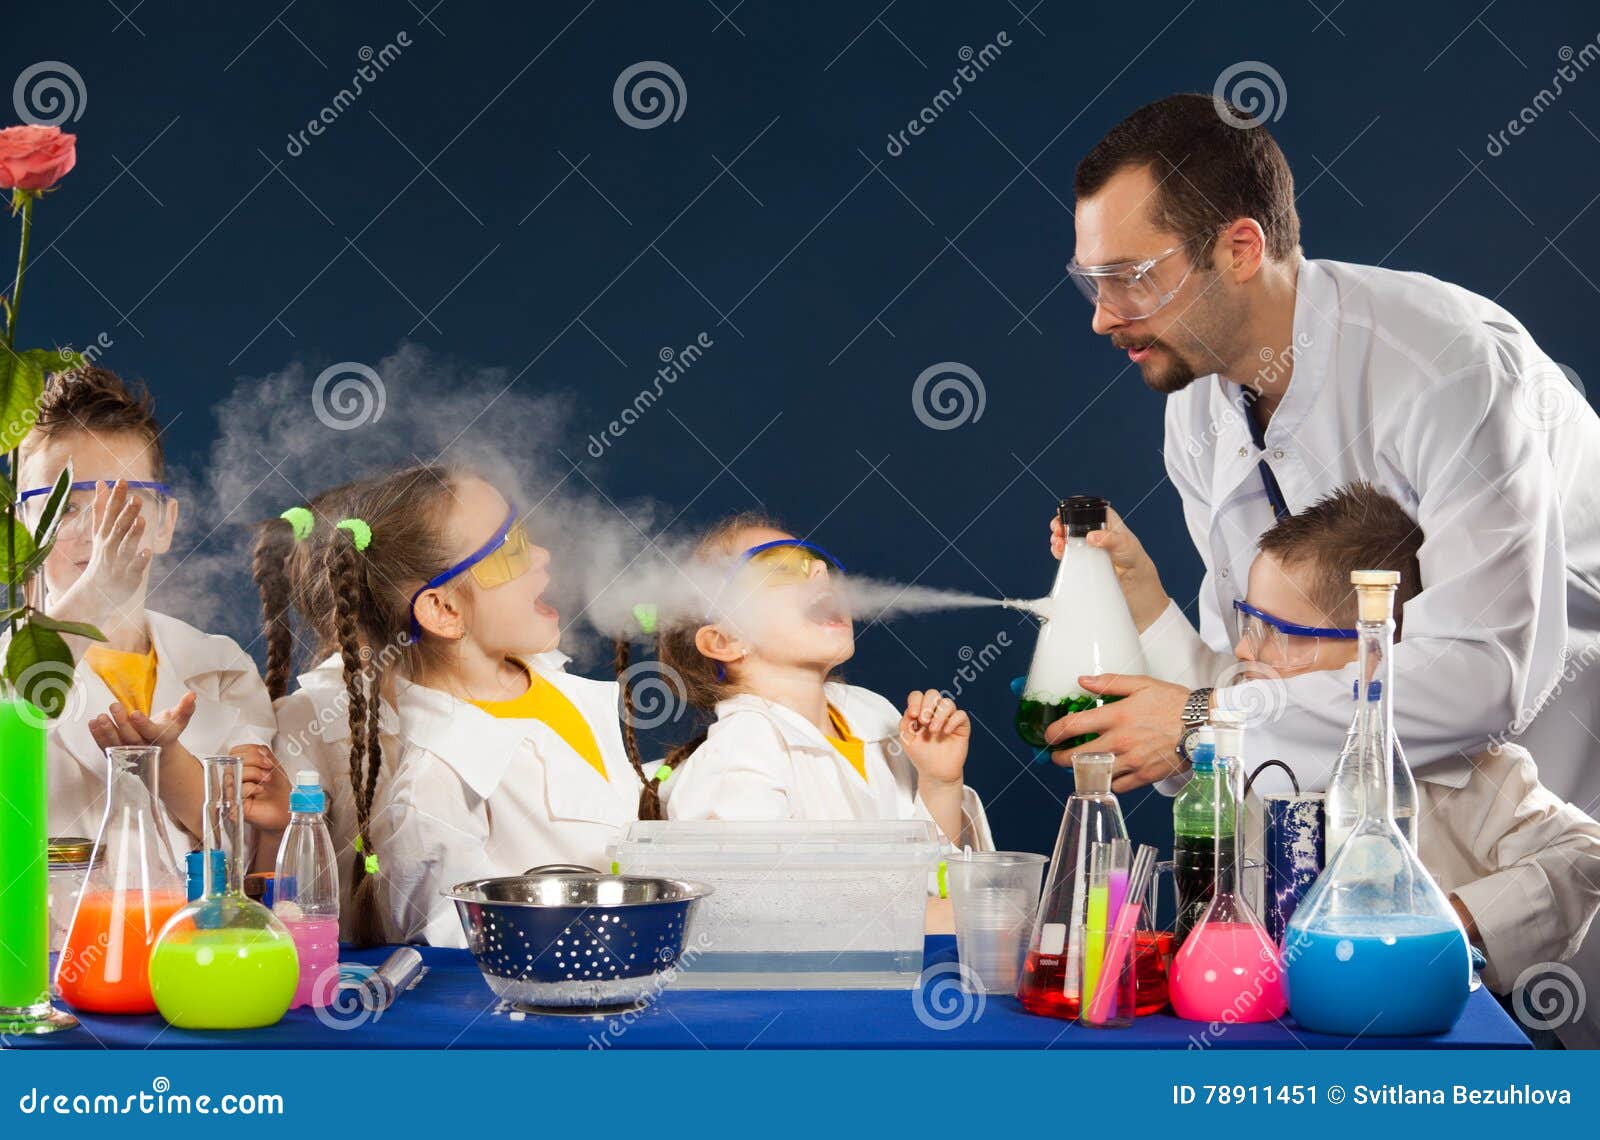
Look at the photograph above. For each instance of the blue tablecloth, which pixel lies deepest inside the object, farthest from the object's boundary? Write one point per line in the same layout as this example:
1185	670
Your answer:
451	1007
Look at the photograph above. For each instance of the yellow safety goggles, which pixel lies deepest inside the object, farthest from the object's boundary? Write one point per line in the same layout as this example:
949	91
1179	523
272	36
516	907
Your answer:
504	558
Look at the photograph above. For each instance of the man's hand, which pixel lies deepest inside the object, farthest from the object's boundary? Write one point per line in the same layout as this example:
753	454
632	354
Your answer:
1141	729
1136	571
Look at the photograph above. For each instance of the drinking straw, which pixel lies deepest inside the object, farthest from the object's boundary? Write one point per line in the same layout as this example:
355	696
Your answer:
1121	940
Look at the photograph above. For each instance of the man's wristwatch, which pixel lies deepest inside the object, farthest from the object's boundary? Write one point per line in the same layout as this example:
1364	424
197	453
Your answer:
1196	711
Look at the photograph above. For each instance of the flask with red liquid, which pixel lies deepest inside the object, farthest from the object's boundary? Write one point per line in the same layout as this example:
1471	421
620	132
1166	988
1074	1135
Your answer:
132	888
1051	984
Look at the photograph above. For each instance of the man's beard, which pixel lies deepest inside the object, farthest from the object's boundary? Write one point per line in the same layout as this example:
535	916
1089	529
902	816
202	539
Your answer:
1168	373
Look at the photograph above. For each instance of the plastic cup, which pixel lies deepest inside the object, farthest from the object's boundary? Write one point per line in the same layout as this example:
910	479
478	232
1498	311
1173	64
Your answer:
995	895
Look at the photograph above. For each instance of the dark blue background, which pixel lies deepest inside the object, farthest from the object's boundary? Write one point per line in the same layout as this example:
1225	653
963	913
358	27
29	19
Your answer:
206	264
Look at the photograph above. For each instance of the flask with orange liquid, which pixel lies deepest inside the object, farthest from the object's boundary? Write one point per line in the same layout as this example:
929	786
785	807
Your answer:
132	888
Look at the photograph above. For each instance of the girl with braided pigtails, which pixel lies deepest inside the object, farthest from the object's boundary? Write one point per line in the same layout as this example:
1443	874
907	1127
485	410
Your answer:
466	749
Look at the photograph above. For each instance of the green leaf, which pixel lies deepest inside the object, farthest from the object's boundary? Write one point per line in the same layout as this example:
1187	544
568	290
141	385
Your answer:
22	546
39	667
44	533
21	385
78	628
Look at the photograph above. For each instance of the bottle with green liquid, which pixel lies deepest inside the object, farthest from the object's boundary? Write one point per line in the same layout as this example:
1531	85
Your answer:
224	961
1203	815
1087	630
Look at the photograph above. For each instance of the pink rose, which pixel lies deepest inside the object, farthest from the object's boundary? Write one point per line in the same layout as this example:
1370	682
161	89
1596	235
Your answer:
35	158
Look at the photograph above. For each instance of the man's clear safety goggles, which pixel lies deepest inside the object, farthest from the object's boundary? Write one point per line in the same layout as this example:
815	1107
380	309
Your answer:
1128	290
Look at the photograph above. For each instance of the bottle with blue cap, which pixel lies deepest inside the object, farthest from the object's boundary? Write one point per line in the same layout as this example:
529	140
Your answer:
306	891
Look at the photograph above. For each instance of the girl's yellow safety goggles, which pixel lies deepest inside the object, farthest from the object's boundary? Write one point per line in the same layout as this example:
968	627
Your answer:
504	558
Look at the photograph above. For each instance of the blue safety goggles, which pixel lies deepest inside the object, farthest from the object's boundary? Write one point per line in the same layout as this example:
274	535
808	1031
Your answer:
502	559
91	484
1282	644
1249	613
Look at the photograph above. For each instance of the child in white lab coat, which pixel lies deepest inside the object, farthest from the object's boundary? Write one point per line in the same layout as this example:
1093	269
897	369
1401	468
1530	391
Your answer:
787	742
465	749
1520	866
154	679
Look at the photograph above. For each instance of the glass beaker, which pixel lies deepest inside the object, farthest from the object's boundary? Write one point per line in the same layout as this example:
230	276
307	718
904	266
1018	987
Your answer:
1228	968
1051	974
1375	947
25	1006
1087	630
223	961
132	888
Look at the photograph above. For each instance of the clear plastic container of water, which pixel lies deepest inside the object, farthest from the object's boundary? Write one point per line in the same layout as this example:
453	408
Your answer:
795	904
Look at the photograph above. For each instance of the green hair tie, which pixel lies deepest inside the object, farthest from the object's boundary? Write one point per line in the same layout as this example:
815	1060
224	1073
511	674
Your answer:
301	520
359	847
944	880
646	615
359	530
662	774
372	864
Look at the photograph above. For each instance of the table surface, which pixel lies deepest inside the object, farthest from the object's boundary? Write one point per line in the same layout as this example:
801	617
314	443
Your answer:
452	1007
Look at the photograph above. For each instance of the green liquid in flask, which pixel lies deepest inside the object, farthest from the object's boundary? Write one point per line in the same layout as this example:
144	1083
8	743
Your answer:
224	979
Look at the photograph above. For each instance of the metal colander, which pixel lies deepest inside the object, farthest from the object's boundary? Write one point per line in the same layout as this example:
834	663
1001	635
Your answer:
569	939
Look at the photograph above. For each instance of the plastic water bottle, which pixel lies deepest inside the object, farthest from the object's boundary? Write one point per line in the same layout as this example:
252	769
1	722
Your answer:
307	892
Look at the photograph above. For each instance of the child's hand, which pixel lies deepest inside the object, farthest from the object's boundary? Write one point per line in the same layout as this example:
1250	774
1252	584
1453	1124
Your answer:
125	726
935	735
265	787
117	566
1136	571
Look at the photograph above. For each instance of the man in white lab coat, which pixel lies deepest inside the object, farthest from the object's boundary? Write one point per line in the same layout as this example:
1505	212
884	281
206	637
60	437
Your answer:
1287	378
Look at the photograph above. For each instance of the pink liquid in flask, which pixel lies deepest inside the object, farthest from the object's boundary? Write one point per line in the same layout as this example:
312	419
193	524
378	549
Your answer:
316	942
1227	966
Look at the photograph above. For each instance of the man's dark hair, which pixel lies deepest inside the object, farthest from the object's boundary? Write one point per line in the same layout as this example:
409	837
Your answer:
87	398
1207	171
1357	527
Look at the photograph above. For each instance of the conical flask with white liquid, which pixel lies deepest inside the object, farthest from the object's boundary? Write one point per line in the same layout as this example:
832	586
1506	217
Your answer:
1087	629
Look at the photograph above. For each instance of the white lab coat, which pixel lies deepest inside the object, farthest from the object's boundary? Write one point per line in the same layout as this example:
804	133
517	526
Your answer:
464	795
231	708
762	760
1441	399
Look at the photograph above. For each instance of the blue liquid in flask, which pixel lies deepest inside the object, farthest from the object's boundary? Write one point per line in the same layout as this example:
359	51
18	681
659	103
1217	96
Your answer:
1342	977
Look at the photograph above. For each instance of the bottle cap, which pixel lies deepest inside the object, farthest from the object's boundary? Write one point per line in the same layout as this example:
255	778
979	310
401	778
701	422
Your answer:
306	795
1081	514
1204	756
1091	773
1375	593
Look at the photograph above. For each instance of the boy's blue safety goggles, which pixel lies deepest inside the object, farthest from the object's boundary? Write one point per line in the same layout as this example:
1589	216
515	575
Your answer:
502	559
75	512
1274	641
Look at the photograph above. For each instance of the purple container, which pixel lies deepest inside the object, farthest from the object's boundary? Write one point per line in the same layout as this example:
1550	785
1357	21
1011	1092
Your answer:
1293	855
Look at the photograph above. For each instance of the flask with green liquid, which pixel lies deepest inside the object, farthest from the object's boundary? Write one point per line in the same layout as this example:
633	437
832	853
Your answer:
1088	630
